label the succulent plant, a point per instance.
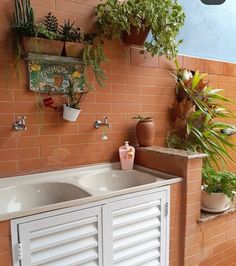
(23, 18)
(71, 33)
(51, 23)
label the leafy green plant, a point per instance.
(49, 28)
(219, 182)
(70, 32)
(75, 95)
(164, 18)
(197, 117)
(142, 118)
(23, 18)
(25, 26)
(94, 56)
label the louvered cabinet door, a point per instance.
(136, 231)
(71, 239)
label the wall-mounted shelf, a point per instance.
(51, 74)
(53, 59)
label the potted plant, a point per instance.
(75, 95)
(134, 19)
(40, 38)
(218, 190)
(145, 131)
(73, 37)
(197, 118)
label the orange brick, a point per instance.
(24, 142)
(4, 228)
(8, 168)
(214, 67)
(6, 259)
(193, 63)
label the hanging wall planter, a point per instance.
(70, 114)
(136, 37)
(42, 46)
(73, 49)
(117, 19)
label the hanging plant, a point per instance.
(163, 18)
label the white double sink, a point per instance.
(32, 191)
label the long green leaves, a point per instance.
(201, 129)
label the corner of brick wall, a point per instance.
(5, 244)
(191, 243)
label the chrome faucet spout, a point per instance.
(105, 123)
(20, 123)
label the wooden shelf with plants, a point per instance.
(58, 57)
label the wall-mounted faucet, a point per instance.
(98, 123)
(20, 123)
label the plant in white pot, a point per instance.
(71, 109)
(218, 190)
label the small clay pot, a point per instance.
(145, 132)
(73, 49)
(136, 37)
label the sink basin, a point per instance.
(113, 180)
(25, 197)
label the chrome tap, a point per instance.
(20, 123)
(105, 123)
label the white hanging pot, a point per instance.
(215, 202)
(70, 114)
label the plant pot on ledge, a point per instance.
(42, 46)
(73, 49)
(136, 37)
(145, 131)
(215, 202)
(70, 114)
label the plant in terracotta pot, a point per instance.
(134, 19)
(41, 38)
(145, 131)
(75, 95)
(218, 190)
(198, 124)
(73, 36)
(198, 116)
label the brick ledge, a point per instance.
(207, 216)
(181, 153)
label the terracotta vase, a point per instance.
(73, 49)
(42, 46)
(145, 132)
(136, 37)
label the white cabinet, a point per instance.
(68, 239)
(128, 230)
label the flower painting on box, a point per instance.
(54, 78)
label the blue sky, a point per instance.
(209, 31)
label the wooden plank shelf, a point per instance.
(53, 59)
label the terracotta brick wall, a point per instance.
(5, 244)
(193, 244)
(131, 88)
